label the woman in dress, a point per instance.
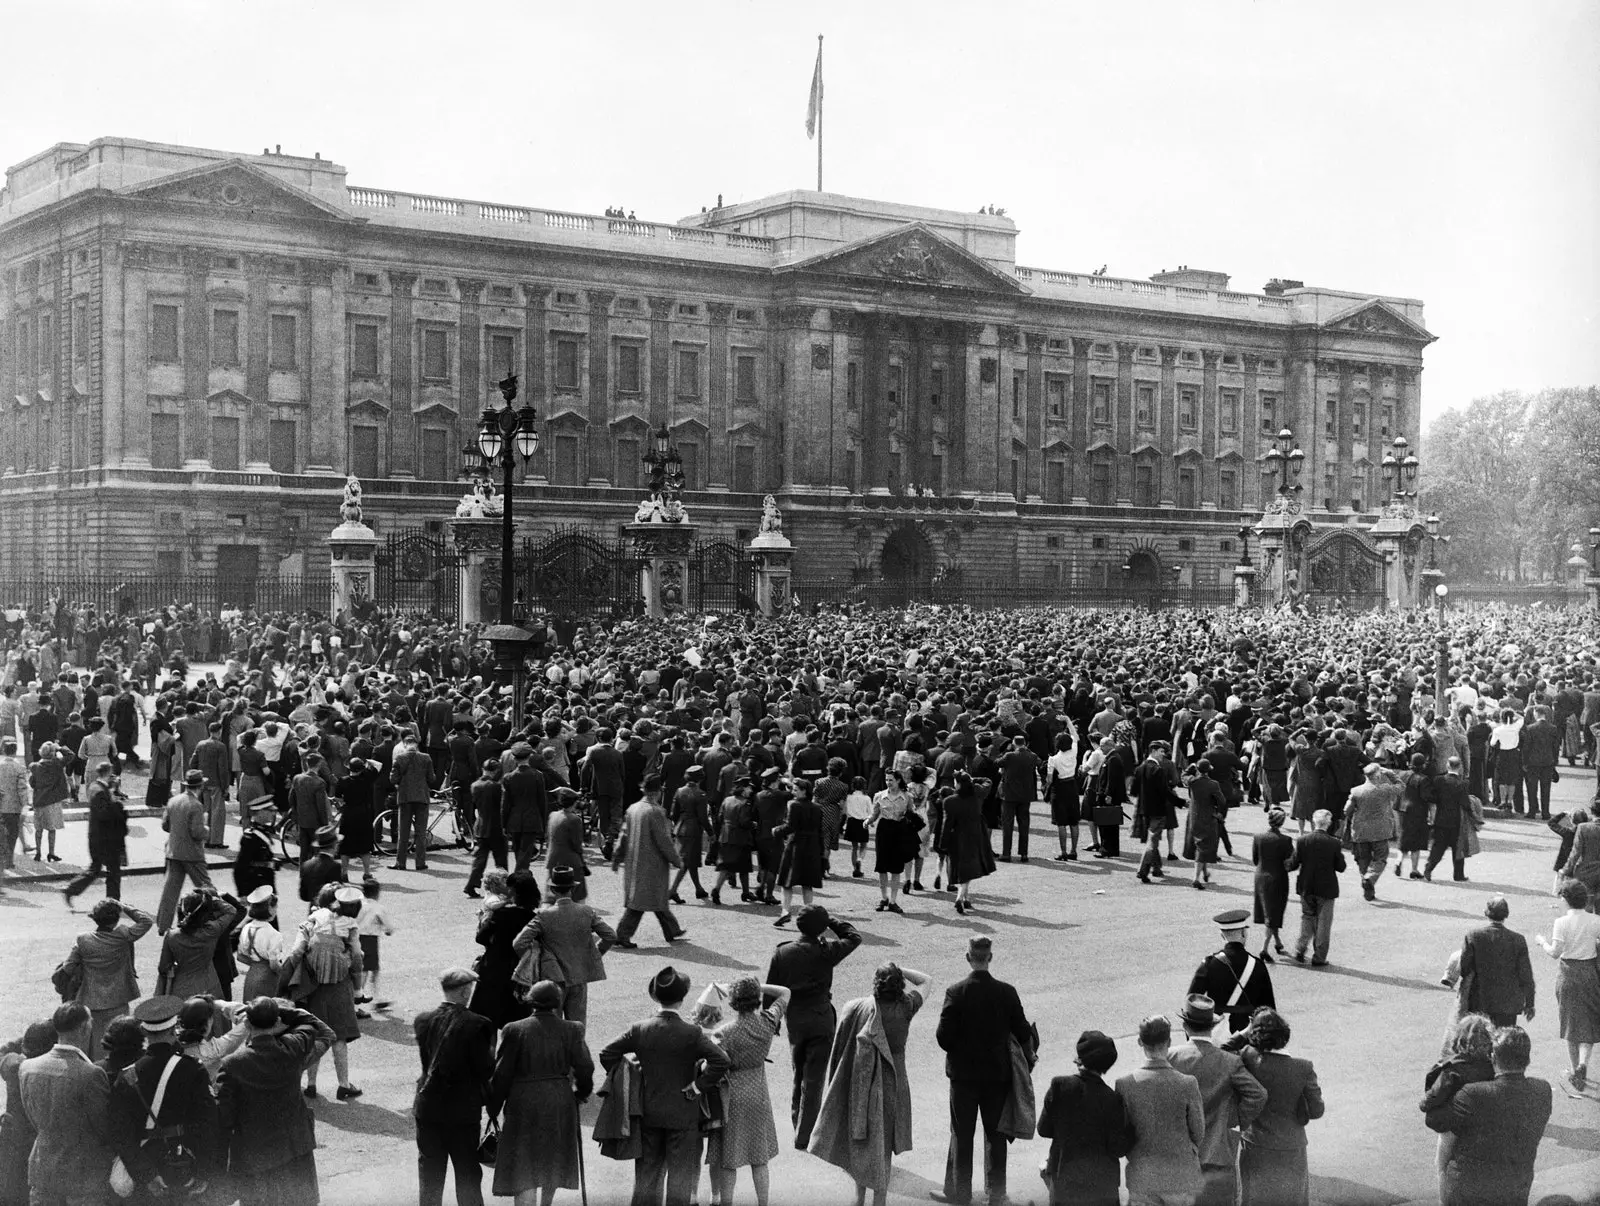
(542, 1073)
(17, 1133)
(736, 841)
(1583, 864)
(1206, 809)
(800, 863)
(1272, 1156)
(253, 773)
(1465, 1061)
(1305, 780)
(857, 808)
(493, 997)
(1478, 730)
(749, 1137)
(1415, 801)
(896, 840)
(1572, 942)
(359, 790)
(1061, 789)
(1271, 852)
(1274, 772)
(187, 966)
(869, 1056)
(918, 786)
(48, 779)
(1505, 759)
(260, 950)
(326, 956)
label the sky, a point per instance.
(1437, 149)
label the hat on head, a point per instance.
(1371, 769)
(328, 835)
(546, 994)
(695, 772)
(1233, 919)
(668, 986)
(349, 894)
(157, 1015)
(194, 778)
(1199, 1010)
(457, 977)
(811, 920)
(564, 878)
(260, 895)
(522, 750)
(652, 783)
(770, 772)
(1096, 1051)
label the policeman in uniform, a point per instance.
(163, 1116)
(1235, 979)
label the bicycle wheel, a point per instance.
(382, 842)
(289, 839)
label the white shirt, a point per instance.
(1575, 936)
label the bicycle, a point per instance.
(442, 807)
(280, 830)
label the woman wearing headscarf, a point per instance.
(1466, 1061)
(1306, 770)
(1087, 1125)
(187, 966)
(865, 1120)
(749, 1136)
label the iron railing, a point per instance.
(210, 593)
(1001, 594)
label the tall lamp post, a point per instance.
(665, 466)
(1285, 461)
(1400, 466)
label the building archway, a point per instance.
(907, 554)
(1144, 570)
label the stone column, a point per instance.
(772, 555)
(533, 362)
(599, 391)
(664, 577)
(1123, 473)
(402, 341)
(325, 369)
(352, 547)
(477, 540)
(258, 330)
(1033, 414)
(1167, 426)
(196, 359)
(719, 473)
(1244, 584)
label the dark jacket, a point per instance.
(669, 1049)
(522, 801)
(187, 1106)
(456, 1047)
(1449, 803)
(601, 774)
(265, 1120)
(805, 967)
(1319, 859)
(1087, 1126)
(1539, 744)
(1496, 973)
(1497, 1124)
(981, 1016)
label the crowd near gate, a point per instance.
(722, 578)
(418, 571)
(574, 572)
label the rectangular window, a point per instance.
(1330, 423)
(1186, 489)
(434, 285)
(690, 452)
(1269, 413)
(1145, 397)
(1228, 490)
(1388, 418)
(688, 373)
(852, 373)
(1228, 409)
(225, 338)
(936, 388)
(435, 354)
(283, 352)
(688, 311)
(1357, 499)
(1055, 481)
(1100, 483)
(625, 472)
(1100, 402)
(896, 383)
(364, 350)
(224, 442)
(1016, 478)
(629, 376)
(364, 451)
(744, 379)
(850, 468)
(564, 461)
(1188, 407)
(169, 561)
(936, 473)
(1358, 419)
(566, 299)
(1019, 384)
(566, 364)
(502, 355)
(1144, 485)
(1185, 544)
(80, 330)
(436, 455)
(164, 334)
(280, 445)
(164, 447)
(744, 468)
(1056, 397)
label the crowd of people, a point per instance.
(772, 755)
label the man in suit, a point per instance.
(1497, 1124)
(1496, 973)
(1168, 1120)
(1345, 772)
(456, 1047)
(523, 804)
(1231, 1096)
(412, 776)
(1540, 744)
(108, 835)
(1450, 811)
(646, 854)
(187, 827)
(308, 796)
(265, 1121)
(462, 759)
(1319, 858)
(67, 1099)
(490, 837)
(981, 1016)
(188, 1111)
(601, 776)
(569, 941)
(1236, 980)
(805, 967)
(437, 718)
(210, 757)
(1019, 784)
(1087, 1126)
(668, 1049)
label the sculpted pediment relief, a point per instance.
(914, 255)
(241, 186)
(1378, 319)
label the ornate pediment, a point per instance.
(1378, 319)
(438, 411)
(238, 185)
(228, 397)
(916, 256)
(368, 408)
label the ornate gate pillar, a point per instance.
(477, 540)
(772, 555)
(664, 550)
(1397, 535)
(352, 547)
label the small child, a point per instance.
(495, 893)
(857, 808)
(371, 923)
(1452, 970)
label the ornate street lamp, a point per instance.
(1284, 462)
(664, 465)
(1244, 537)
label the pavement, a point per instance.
(1086, 945)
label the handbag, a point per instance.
(1108, 815)
(175, 1162)
(489, 1145)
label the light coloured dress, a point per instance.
(749, 1135)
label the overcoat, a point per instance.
(646, 853)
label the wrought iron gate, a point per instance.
(1343, 567)
(417, 571)
(721, 578)
(576, 572)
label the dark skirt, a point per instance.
(1271, 1176)
(1508, 768)
(735, 860)
(1414, 828)
(855, 830)
(897, 843)
(1277, 786)
(335, 1004)
(1064, 807)
(800, 865)
(1271, 898)
(539, 1138)
(1578, 1000)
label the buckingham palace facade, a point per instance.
(197, 346)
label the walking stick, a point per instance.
(583, 1182)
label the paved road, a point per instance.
(1087, 946)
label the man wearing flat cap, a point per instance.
(669, 1050)
(186, 1115)
(805, 967)
(1496, 973)
(1235, 980)
(1087, 1126)
(1231, 1097)
(456, 1047)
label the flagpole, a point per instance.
(819, 115)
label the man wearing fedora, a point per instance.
(1235, 980)
(187, 829)
(568, 941)
(646, 854)
(1496, 973)
(670, 1051)
(1232, 1098)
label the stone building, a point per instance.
(196, 346)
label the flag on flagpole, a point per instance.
(814, 105)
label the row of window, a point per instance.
(34, 339)
(166, 339)
(224, 442)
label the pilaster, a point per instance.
(258, 324)
(1123, 433)
(1250, 435)
(1081, 399)
(660, 360)
(1167, 426)
(1206, 488)
(717, 395)
(535, 386)
(402, 350)
(325, 439)
(1033, 472)
(599, 394)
